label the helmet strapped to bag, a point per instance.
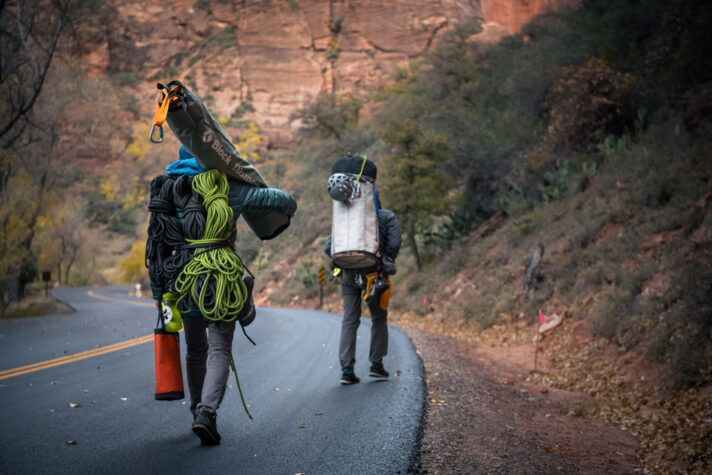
(340, 186)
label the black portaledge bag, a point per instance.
(206, 140)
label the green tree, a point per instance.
(417, 187)
(328, 116)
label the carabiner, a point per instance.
(160, 132)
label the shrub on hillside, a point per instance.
(588, 103)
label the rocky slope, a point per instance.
(264, 59)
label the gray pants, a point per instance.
(207, 361)
(349, 326)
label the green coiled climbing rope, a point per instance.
(213, 276)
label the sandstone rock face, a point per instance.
(513, 14)
(268, 57)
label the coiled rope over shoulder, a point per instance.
(212, 279)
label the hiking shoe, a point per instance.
(205, 427)
(378, 371)
(348, 376)
(248, 312)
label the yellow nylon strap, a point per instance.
(159, 117)
(369, 284)
(363, 165)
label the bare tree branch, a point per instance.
(24, 106)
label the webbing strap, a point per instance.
(163, 100)
(363, 165)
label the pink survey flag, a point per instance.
(542, 317)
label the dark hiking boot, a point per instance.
(348, 376)
(206, 428)
(248, 312)
(378, 371)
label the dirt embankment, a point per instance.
(481, 418)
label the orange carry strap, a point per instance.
(369, 284)
(163, 101)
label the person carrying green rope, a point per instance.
(190, 253)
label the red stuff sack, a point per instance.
(169, 374)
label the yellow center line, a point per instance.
(62, 360)
(10, 373)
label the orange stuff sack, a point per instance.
(169, 374)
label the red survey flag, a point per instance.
(542, 317)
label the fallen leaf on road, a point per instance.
(398, 372)
(71, 442)
(74, 404)
(318, 414)
(547, 449)
(302, 426)
(54, 382)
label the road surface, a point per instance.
(101, 357)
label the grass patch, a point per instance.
(34, 306)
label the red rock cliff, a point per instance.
(275, 55)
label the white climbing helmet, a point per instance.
(340, 186)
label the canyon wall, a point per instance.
(264, 59)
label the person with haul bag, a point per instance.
(363, 246)
(197, 278)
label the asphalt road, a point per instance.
(290, 379)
